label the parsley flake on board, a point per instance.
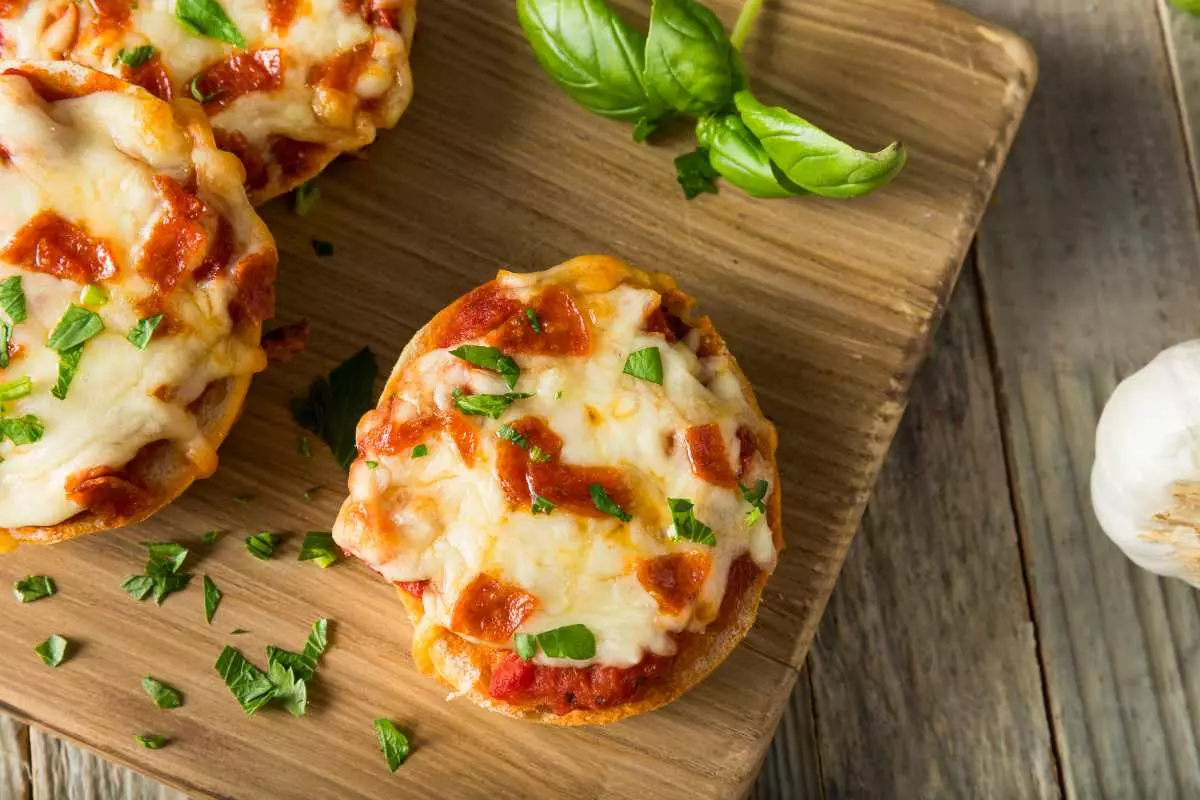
(212, 599)
(603, 502)
(645, 364)
(53, 650)
(686, 525)
(490, 358)
(210, 537)
(695, 174)
(335, 404)
(286, 678)
(34, 587)
(305, 197)
(322, 248)
(486, 405)
(262, 545)
(134, 57)
(161, 576)
(164, 696)
(319, 547)
(249, 685)
(575, 642)
(151, 741)
(392, 742)
(305, 447)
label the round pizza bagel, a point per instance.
(287, 85)
(571, 484)
(134, 279)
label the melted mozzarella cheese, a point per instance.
(455, 523)
(91, 160)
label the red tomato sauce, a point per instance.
(491, 609)
(297, 159)
(53, 87)
(49, 244)
(564, 331)
(388, 437)
(11, 8)
(566, 689)
(341, 70)
(106, 492)
(567, 486)
(177, 242)
(414, 588)
(254, 277)
(472, 315)
(708, 456)
(235, 142)
(674, 580)
(239, 74)
(112, 11)
(152, 76)
(749, 444)
(280, 14)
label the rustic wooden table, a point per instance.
(985, 639)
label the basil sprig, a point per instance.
(689, 66)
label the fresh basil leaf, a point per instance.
(319, 547)
(322, 248)
(305, 197)
(139, 335)
(138, 587)
(68, 365)
(813, 159)
(739, 157)
(755, 497)
(490, 358)
(334, 405)
(53, 650)
(575, 642)
(210, 537)
(134, 57)
(603, 502)
(207, 18)
(526, 645)
(686, 525)
(248, 684)
(22, 430)
(93, 295)
(420, 451)
(151, 741)
(392, 742)
(34, 587)
(541, 505)
(262, 545)
(15, 390)
(212, 599)
(591, 54)
(535, 321)
(12, 299)
(164, 696)
(75, 327)
(488, 405)
(688, 63)
(290, 691)
(695, 173)
(645, 364)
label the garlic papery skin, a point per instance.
(1146, 474)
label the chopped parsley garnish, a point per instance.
(534, 321)
(322, 248)
(53, 650)
(210, 537)
(305, 447)
(487, 405)
(541, 505)
(575, 642)
(392, 742)
(161, 575)
(207, 18)
(212, 599)
(290, 691)
(511, 434)
(539, 455)
(134, 57)
(12, 299)
(34, 587)
(334, 406)
(15, 390)
(238, 631)
(490, 358)
(305, 197)
(686, 525)
(139, 335)
(420, 451)
(151, 741)
(319, 547)
(243, 499)
(286, 677)
(645, 364)
(262, 544)
(5, 338)
(249, 685)
(22, 430)
(603, 502)
(372, 464)
(197, 94)
(68, 365)
(756, 497)
(75, 327)
(93, 295)
(695, 173)
(164, 696)
(310, 493)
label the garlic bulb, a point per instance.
(1146, 476)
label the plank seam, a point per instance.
(816, 728)
(1019, 522)
(1162, 13)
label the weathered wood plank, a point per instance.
(14, 759)
(925, 674)
(1088, 259)
(63, 771)
(790, 770)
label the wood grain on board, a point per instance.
(828, 305)
(1088, 260)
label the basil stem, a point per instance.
(737, 155)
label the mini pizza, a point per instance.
(134, 278)
(288, 85)
(571, 484)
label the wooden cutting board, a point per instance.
(829, 306)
